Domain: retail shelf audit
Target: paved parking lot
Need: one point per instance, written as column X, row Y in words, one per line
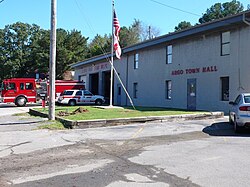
column 178, row 153
column 9, row 109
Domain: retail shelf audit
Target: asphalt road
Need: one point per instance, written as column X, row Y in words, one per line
column 9, row 109
column 178, row 153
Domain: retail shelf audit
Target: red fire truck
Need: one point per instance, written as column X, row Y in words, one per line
column 23, row 90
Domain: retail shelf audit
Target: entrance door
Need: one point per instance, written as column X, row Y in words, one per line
column 94, row 83
column 106, row 84
column 119, row 93
column 191, row 94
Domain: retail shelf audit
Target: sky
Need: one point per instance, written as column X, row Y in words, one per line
column 93, row 17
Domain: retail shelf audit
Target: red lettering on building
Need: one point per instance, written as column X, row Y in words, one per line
column 177, row 72
column 209, row 69
column 193, row 70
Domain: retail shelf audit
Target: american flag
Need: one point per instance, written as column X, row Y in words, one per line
column 117, row 28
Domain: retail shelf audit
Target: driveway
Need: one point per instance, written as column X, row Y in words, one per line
column 178, row 153
column 9, row 109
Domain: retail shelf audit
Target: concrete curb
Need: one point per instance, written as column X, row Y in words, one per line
column 82, row 124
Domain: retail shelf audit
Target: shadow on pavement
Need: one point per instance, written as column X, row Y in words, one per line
column 5, row 105
column 224, row 129
column 21, row 123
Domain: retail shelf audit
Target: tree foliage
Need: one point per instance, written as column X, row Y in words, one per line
column 99, row 45
column 183, row 25
column 221, row 10
column 71, row 48
column 216, row 11
column 18, row 41
column 128, row 36
column 25, row 49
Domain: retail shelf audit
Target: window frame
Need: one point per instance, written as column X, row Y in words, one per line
column 135, row 90
column 225, row 43
column 169, row 54
column 87, row 93
column 77, row 93
column 224, row 81
column 68, row 92
column 11, row 86
column 168, row 89
column 136, row 60
column 29, row 86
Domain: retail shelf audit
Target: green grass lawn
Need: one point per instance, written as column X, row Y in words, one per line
column 99, row 113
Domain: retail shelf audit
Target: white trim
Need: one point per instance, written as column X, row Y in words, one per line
column 66, row 84
column 29, row 97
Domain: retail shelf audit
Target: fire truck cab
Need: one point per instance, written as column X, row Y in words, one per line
column 18, row 91
column 23, row 90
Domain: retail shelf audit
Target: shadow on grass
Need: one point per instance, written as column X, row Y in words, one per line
column 147, row 109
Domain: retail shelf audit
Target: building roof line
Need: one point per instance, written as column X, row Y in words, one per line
column 202, row 28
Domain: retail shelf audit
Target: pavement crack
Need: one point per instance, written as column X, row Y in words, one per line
column 13, row 146
column 72, row 141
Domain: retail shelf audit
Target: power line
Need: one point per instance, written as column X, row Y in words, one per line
column 175, row 8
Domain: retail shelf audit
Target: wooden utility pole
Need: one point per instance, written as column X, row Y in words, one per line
column 52, row 64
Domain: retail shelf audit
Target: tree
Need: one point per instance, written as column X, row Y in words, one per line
column 128, row 36
column 16, row 48
column 183, row 25
column 71, row 48
column 138, row 32
column 131, row 35
column 219, row 10
column 99, row 45
column 25, row 49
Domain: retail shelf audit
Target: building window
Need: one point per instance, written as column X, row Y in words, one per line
column 135, row 90
column 136, row 61
column 225, row 43
column 168, row 89
column 169, row 54
column 224, row 88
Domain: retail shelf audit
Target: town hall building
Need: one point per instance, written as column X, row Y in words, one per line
column 200, row 68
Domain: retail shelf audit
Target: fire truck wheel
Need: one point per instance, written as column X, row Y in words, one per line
column 72, row 102
column 21, row 101
column 98, row 102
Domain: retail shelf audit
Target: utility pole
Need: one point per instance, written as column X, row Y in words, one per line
column 52, row 63
column 149, row 32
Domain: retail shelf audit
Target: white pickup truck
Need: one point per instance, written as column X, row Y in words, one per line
column 74, row 97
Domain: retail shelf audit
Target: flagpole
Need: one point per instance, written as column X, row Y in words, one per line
column 116, row 47
column 112, row 59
